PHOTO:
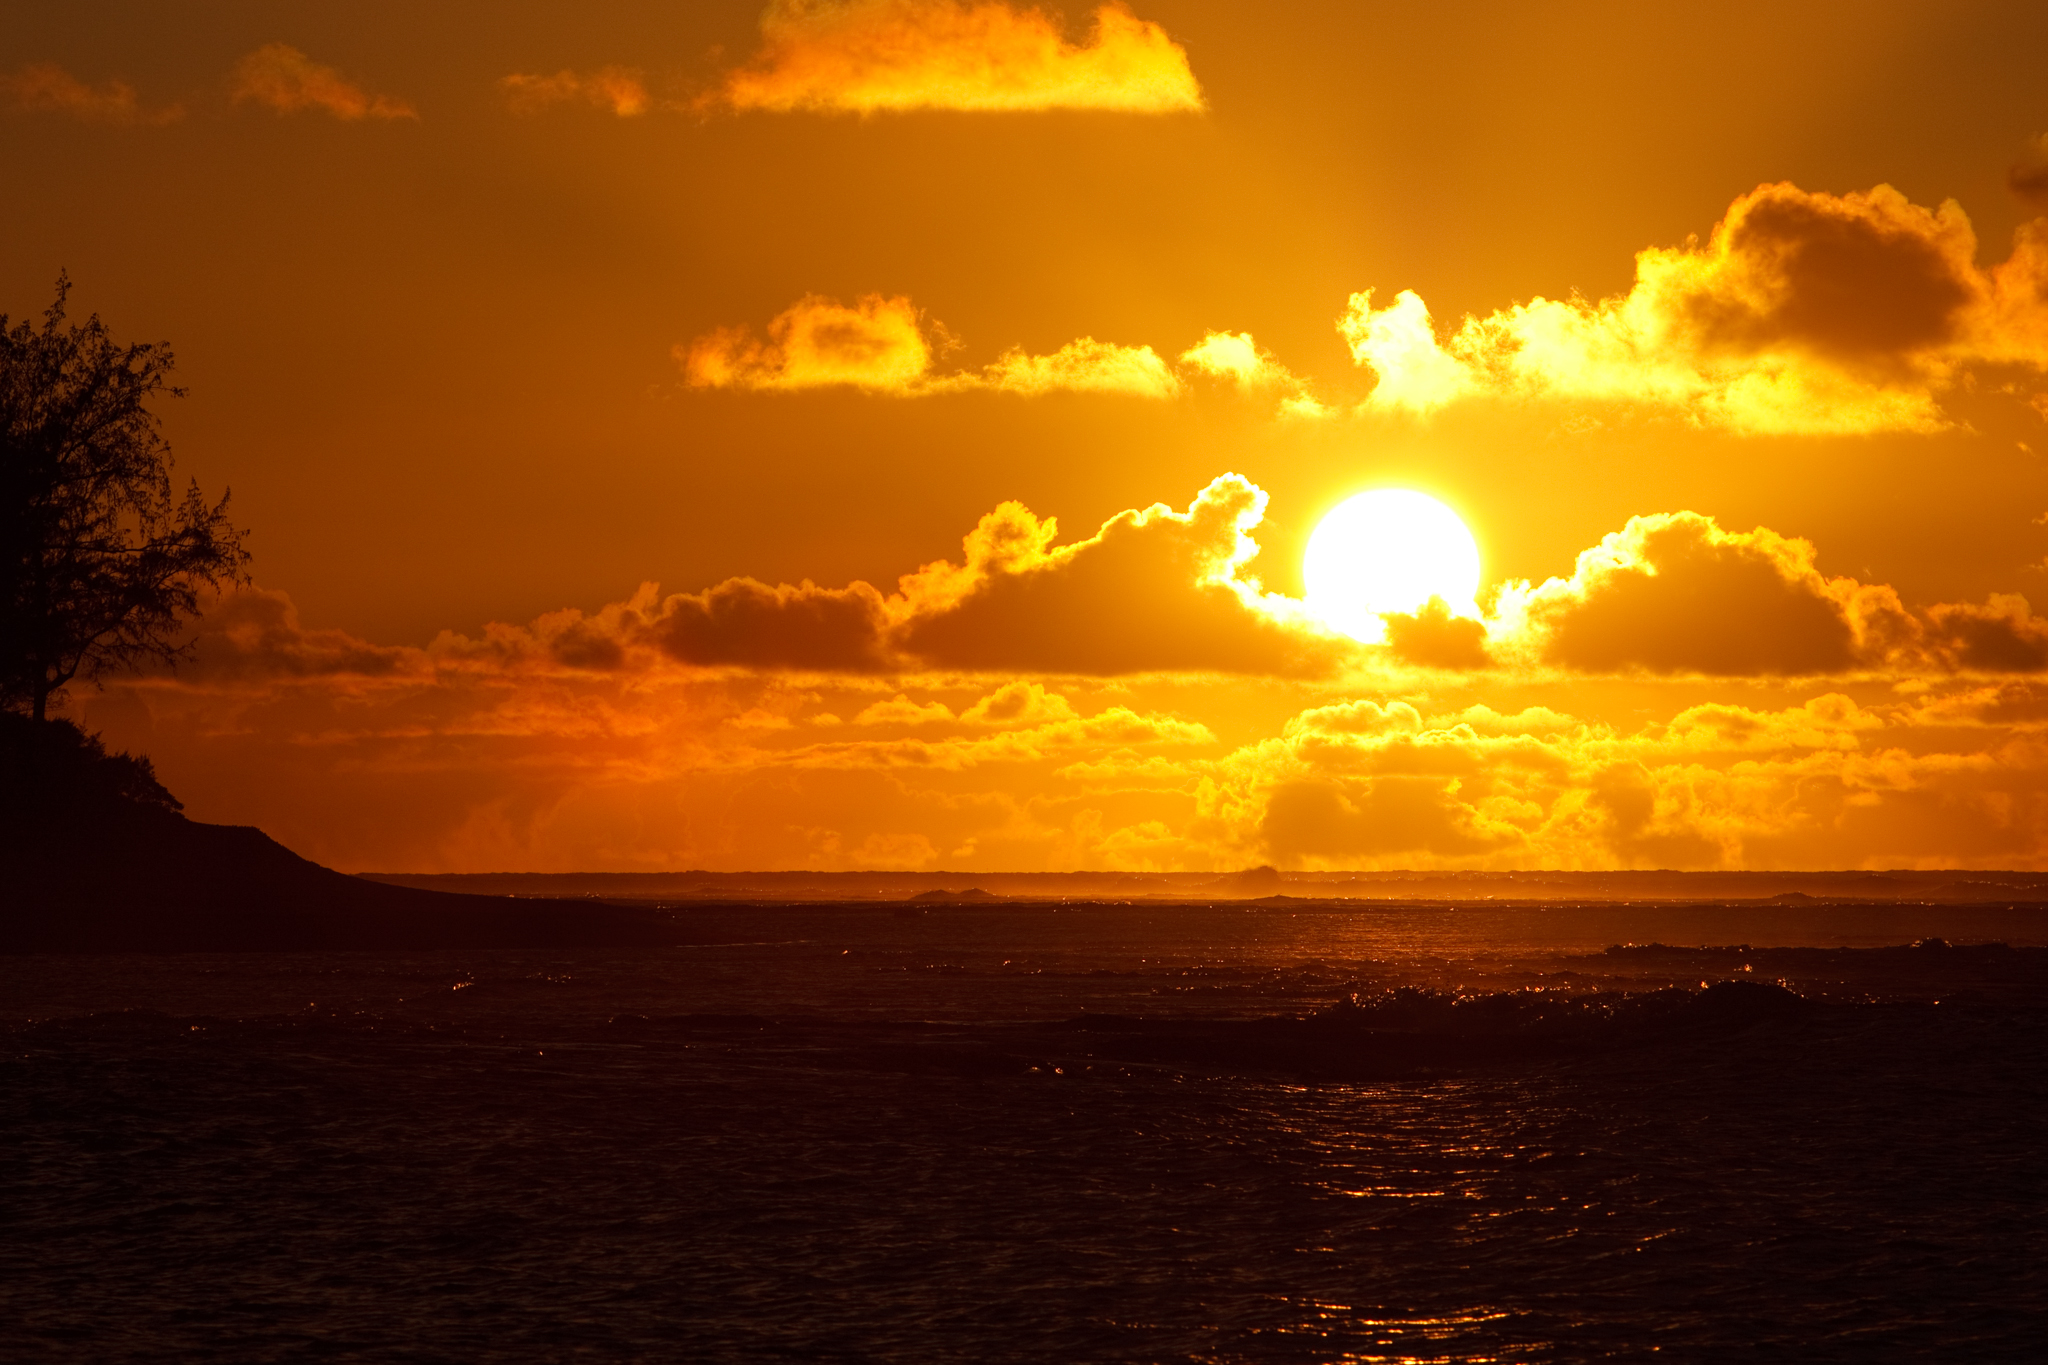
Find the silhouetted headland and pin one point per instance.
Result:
(95, 856)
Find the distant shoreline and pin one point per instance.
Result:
(1817, 889)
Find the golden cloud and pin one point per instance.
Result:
(1237, 357)
(879, 344)
(1031, 703)
(615, 88)
(1803, 313)
(45, 87)
(1083, 366)
(901, 710)
(282, 78)
(871, 56)
(1826, 782)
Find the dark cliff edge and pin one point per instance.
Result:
(95, 857)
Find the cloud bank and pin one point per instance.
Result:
(515, 750)
(1157, 591)
(873, 56)
(1688, 697)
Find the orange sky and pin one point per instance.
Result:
(870, 333)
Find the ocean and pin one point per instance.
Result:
(1039, 1132)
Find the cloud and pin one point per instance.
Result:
(256, 634)
(1400, 345)
(2002, 636)
(1114, 727)
(2029, 175)
(284, 79)
(45, 87)
(1823, 782)
(749, 624)
(1435, 638)
(901, 710)
(615, 88)
(879, 344)
(1083, 366)
(1019, 703)
(1675, 593)
(871, 56)
(1386, 815)
(1156, 591)
(1237, 357)
(692, 730)
(1153, 590)
(1803, 313)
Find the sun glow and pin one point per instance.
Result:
(1389, 550)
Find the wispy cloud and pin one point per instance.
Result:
(1237, 357)
(617, 89)
(46, 87)
(1081, 366)
(871, 56)
(881, 344)
(284, 79)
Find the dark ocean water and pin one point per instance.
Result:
(1009, 1134)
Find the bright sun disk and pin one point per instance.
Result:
(1389, 550)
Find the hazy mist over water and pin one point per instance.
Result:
(1037, 1133)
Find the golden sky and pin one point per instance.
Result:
(888, 433)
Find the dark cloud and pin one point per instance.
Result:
(1434, 638)
(1862, 281)
(1152, 591)
(257, 634)
(745, 622)
(2028, 176)
(1676, 594)
(2002, 636)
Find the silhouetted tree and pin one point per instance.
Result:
(99, 559)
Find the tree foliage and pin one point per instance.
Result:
(100, 560)
(55, 774)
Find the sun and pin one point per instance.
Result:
(1389, 550)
